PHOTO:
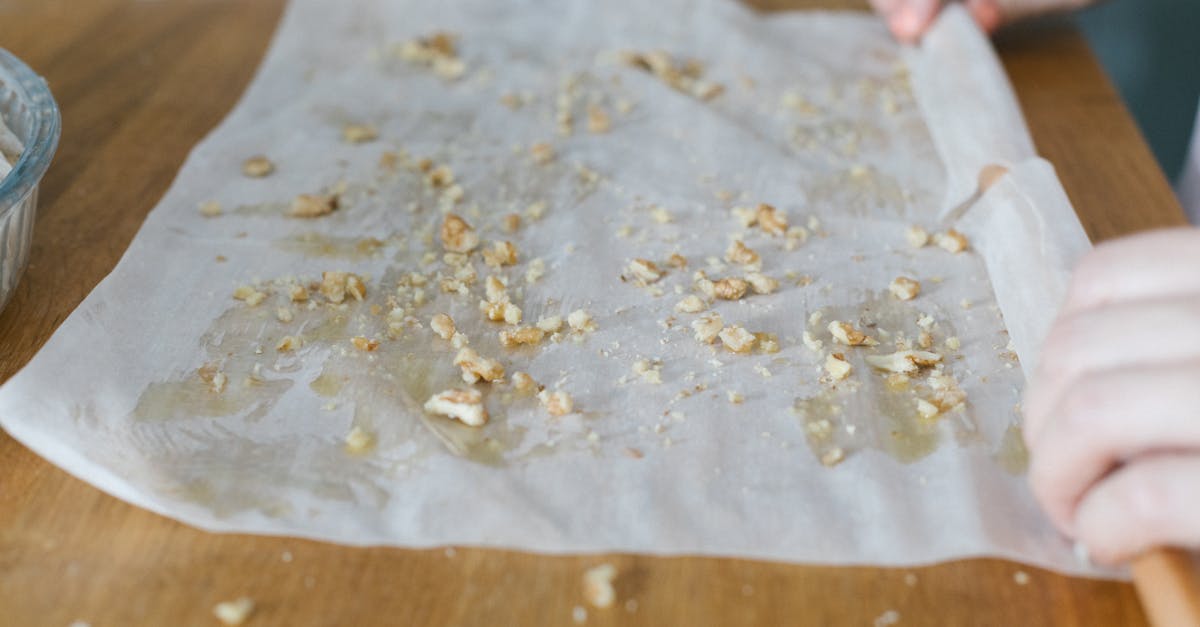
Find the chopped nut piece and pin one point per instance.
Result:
(833, 457)
(283, 314)
(556, 403)
(707, 327)
(503, 311)
(690, 304)
(462, 404)
(496, 289)
(458, 340)
(904, 288)
(297, 293)
(520, 336)
(762, 283)
(542, 153)
(746, 216)
(660, 215)
(739, 253)
(550, 324)
(524, 383)
(683, 76)
(953, 343)
(535, 271)
(904, 361)
(597, 120)
(437, 52)
(951, 241)
(837, 367)
(845, 333)
(457, 235)
(735, 398)
(249, 295)
(926, 409)
(512, 222)
(336, 285)
(359, 133)
(233, 613)
(771, 220)
(768, 343)
(288, 343)
(364, 344)
(210, 208)
(812, 343)
(257, 167)
(312, 206)
(649, 371)
(500, 254)
(474, 367)
(218, 382)
(443, 325)
(917, 237)
(358, 440)
(677, 260)
(730, 289)
(581, 321)
(925, 340)
(737, 339)
(598, 585)
(645, 271)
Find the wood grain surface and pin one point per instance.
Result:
(139, 83)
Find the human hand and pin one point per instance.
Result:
(909, 19)
(1112, 418)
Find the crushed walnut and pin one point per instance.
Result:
(521, 336)
(364, 344)
(645, 271)
(730, 288)
(501, 253)
(951, 241)
(597, 120)
(542, 153)
(837, 367)
(598, 585)
(462, 404)
(904, 361)
(707, 327)
(524, 383)
(649, 371)
(288, 343)
(359, 133)
(916, 236)
(457, 234)
(249, 295)
(335, 286)
(257, 167)
(581, 321)
(771, 219)
(437, 51)
(761, 283)
(474, 367)
(845, 333)
(550, 324)
(685, 76)
(312, 205)
(557, 403)
(298, 293)
(737, 339)
(739, 253)
(690, 304)
(443, 325)
(904, 288)
(359, 440)
(210, 208)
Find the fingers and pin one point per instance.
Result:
(1105, 419)
(1150, 502)
(908, 19)
(1132, 336)
(1142, 267)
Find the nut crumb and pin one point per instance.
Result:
(730, 289)
(812, 343)
(904, 361)
(336, 285)
(542, 153)
(257, 167)
(951, 241)
(845, 333)
(457, 235)
(737, 339)
(501, 253)
(771, 219)
(761, 283)
(837, 367)
(645, 271)
(524, 383)
(235, 612)
(462, 404)
(707, 327)
(364, 344)
(597, 120)
(358, 440)
(312, 206)
(359, 133)
(904, 288)
(210, 208)
(283, 314)
(833, 457)
(580, 320)
(739, 253)
(916, 236)
(649, 371)
(598, 585)
(550, 324)
(474, 367)
(690, 304)
(512, 222)
(953, 343)
(735, 398)
(218, 382)
(443, 325)
(298, 293)
(521, 336)
(249, 295)
(288, 343)
(556, 403)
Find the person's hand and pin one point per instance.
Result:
(909, 19)
(1112, 417)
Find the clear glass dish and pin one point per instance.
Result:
(31, 113)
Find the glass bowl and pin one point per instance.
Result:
(31, 113)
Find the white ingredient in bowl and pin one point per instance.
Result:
(10, 149)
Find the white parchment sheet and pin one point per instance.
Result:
(821, 115)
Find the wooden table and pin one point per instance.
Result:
(139, 83)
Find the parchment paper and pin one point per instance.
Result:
(817, 118)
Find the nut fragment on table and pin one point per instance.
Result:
(443, 325)
(649, 371)
(707, 327)
(359, 133)
(681, 75)
(335, 286)
(690, 304)
(904, 288)
(364, 344)
(457, 235)
(761, 283)
(837, 367)
(598, 585)
(249, 295)
(358, 440)
(730, 288)
(462, 404)
(771, 219)
(438, 51)
(475, 367)
(904, 361)
(312, 205)
(597, 120)
(257, 167)
(833, 456)
(580, 320)
(916, 236)
(951, 241)
(297, 293)
(737, 339)
(502, 253)
(557, 403)
(645, 271)
(524, 383)
(521, 336)
(542, 153)
(210, 208)
(845, 333)
(233, 613)
(550, 324)
(739, 253)
(288, 343)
